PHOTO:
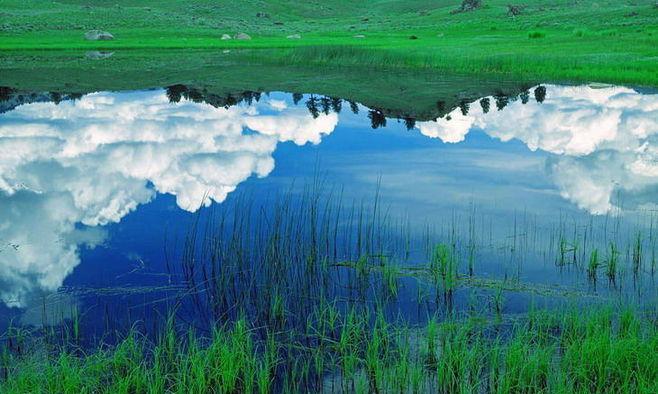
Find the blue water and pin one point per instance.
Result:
(93, 191)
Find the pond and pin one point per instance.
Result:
(116, 206)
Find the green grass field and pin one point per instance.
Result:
(603, 41)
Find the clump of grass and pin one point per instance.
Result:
(565, 247)
(498, 300)
(611, 266)
(637, 253)
(443, 266)
(599, 358)
(390, 275)
(593, 265)
(526, 365)
(461, 358)
(536, 34)
(348, 345)
(574, 351)
(580, 32)
(432, 342)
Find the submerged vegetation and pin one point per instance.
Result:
(323, 295)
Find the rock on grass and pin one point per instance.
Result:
(98, 35)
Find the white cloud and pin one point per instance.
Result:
(278, 105)
(94, 160)
(451, 130)
(604, 139)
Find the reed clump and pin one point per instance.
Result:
(596, 351)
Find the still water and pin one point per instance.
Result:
(98, 192)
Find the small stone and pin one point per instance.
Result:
(243, 36)
(97, 55)
(226, 37)
(98, 35)
(294, 36)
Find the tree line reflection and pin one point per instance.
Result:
(315, 104)
(320, 104)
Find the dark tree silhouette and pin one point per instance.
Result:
(75, 96)
(501, 101)
(312, 105)
(336, 104)
(353, 107)
(464, 107)
(194, 95)
(485, 103)
(249, 97)
(377, 119)
(441, 106)
(525, 96)
(230, 101)
(56, 97)
(176, 92)
(297, 97)
(409, 122)
(5, 93)
(540, 94)
(325, 103)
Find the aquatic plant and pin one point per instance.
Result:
(637, 253)
(611, 266)
(593, 265)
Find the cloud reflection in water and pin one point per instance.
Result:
(602, 139)
(94, 160)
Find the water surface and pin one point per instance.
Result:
(94, 189)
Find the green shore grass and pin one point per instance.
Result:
(608, 41)
(599, 351)
(422, 94)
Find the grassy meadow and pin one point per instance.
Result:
(605, 41)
